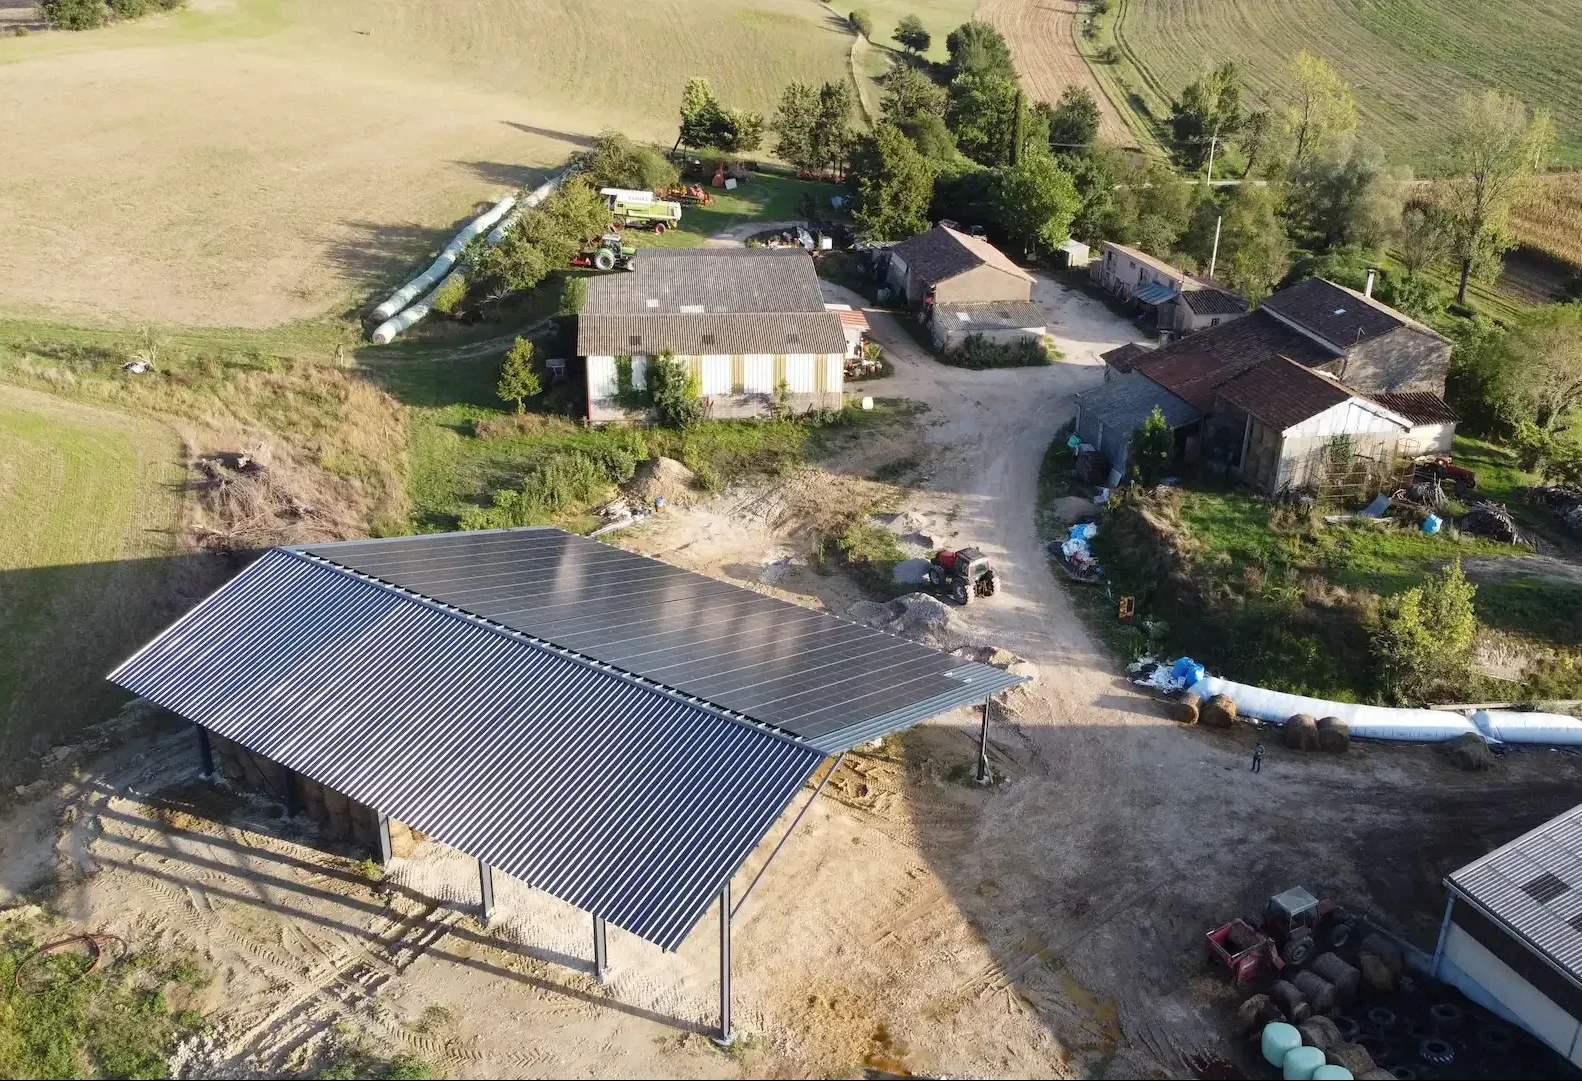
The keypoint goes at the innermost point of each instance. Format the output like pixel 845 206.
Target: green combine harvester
pixel 640 210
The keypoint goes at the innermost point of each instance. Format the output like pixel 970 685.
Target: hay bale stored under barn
pixel 1334 735
pixel 1218 712
pixel 1185 708
pixel 1386 950
pixel 1301 732
pixel 1376 974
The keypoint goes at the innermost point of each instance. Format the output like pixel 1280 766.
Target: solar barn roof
pixel 600 725
pixel 830 682
pixel 1533 885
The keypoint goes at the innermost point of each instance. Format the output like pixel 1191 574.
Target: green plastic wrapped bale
pixel 1279 1039
pixel 1300 1063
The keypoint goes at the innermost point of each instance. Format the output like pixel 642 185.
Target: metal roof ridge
pixel 544 645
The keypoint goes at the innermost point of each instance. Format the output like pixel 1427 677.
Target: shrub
pixel 676 392
pixel 573 295
pixel 74 14
pixel 1423 639
pixel 519 376
pixel 871 552
pixel 862 22
pixel 450 294
pixel 1156 446
pixel 976 351
pixel 564 481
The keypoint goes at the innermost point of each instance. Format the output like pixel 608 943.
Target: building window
pixel 1214 322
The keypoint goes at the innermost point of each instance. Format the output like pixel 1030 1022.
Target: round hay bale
pixel 1290 1001
pixel 1376 974
pixel 1386 950
pixel 1468 751
pixel 1352 1056
pixel 1320 1032
pixel 1334 735
pixel 1301 732
pixel 1218 712
pixel 401 840
pixel 1253 1014
pixel 1185 708
pixel 1345 978
pixel 1319 992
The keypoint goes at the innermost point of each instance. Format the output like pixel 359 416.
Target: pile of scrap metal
pixel 1563 499
pixel 1491 520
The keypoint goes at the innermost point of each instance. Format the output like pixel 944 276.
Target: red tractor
pixel 962 574
pixel 1295 925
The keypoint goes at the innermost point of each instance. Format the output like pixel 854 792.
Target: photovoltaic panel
pixel 808 673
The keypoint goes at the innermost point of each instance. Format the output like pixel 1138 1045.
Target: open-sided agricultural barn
pixel 605 727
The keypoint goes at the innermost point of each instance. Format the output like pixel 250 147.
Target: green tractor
pixel 609 254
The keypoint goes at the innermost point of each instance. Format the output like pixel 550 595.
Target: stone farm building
pixel 1180 302
pixel 1320 380
pixel 963 285
pixel 745 320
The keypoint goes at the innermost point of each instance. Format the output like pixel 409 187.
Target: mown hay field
pixel 1408 59
pixel 1552 220
pixel 90 509
pixel 253 162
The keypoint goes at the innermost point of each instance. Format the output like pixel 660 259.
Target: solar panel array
pixel 822 679
pixel 1534 885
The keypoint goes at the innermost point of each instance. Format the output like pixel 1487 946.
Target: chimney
pixel 1367 290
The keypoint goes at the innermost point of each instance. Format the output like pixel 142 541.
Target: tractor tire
pixel 604 259
pixel 961 594
pixel 1339 935
pixel 659 228
pixel 988 585
pixel 1299 949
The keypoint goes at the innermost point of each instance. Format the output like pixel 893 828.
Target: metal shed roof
pixel 829 682
pixel 1533 887
pixel 534 700
pixel 623 799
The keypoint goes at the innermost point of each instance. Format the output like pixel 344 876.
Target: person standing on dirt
pixel 1257 759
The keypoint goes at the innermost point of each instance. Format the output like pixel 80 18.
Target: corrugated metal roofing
pixel 803 671
pixel 622 798
pixel 709 333
pixel 1533 886
pixel 1154 294
pixel 719 280
pixel 1128 400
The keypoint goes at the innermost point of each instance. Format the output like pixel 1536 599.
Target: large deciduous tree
pixel 978 47
pixel 1337 201
pixel 894 183
pixel 706 124
pixel 1074 121
pixel 1494 148
pixel 1254 250
pixel 1208 110
pixel 908 93
pixel 912 35
pixel 614 161
pixel 1035 201
pixel 982 112
pixel 1319 110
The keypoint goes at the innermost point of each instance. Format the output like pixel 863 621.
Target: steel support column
pixel 485 891
pixel 601 959
pixel 205 750
pixel 724 1038
pixel 983 746
pixel 385 855
pixel 289 780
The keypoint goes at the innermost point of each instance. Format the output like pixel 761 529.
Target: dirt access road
pixel 1047 926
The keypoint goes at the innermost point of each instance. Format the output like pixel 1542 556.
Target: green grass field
pixel 90 509
pixel 1408 59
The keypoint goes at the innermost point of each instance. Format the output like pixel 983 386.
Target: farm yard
pixel 263 161
pixel 1406 58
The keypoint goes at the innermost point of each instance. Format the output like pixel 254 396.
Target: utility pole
pixel 1213 142
pixel 1214 255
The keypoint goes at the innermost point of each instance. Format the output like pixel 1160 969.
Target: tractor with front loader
pixel 962 574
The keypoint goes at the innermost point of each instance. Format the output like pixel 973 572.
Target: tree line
pixel 91 14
